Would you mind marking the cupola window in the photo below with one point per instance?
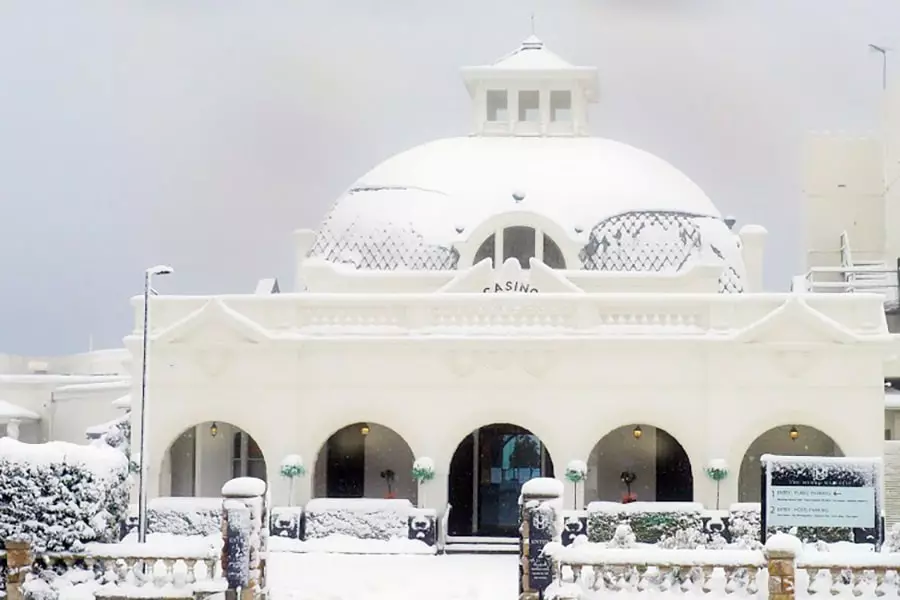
(560, 105)
(521, 243)
(529, 106)
(497, 106)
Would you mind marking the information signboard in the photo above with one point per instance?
(823, 493)
(821, 506)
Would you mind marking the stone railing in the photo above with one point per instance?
(580, 570)
(156, 570)
(129, 571)
(286, 315)
(781, 571)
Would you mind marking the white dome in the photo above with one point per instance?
(409, 211)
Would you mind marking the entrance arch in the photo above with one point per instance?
(487, 471)
(203, 457)
(804, 441)
(365, 460)
(643, 460)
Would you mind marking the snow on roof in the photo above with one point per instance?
(122, 384)
(891, 399)
(101, 460)
(8, 411)
(123, 402)
(458, 182)
(532, 54)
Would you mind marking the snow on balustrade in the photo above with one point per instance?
(594, 567)
(295, 315)
(164, 566)
(586, 570)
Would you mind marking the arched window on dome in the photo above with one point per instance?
(522, 243)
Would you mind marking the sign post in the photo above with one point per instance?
(822, 493)
(540, 518)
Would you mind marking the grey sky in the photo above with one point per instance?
(202, 133)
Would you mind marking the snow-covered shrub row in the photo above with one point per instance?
(650, 521)
(62, 495)
(185, 516)
(745, 528)
(360, 518)
(115, 433)
(744, 523)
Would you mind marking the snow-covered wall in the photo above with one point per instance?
(715, 371)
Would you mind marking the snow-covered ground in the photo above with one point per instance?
(356, 577)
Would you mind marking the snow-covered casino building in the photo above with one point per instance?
(503, 303)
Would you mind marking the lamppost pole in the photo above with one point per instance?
(883, 51)
(142, 473)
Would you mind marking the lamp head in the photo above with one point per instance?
(160, 270)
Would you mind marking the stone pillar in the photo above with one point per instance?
(781, 553)
(12, 428)
(18, 565)
(252, 494)
(540, 522)
(753, 240)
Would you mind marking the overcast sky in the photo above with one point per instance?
(201, 133)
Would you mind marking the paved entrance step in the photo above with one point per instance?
(481, 545)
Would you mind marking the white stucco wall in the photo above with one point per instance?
(769, 363)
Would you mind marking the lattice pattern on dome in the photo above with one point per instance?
(642, 241)
(730, 282)
(386, 248)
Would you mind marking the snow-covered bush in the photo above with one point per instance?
(185, 516)
(360, 518)
(115, 434)
(650, 521)
(623, 538)
(744, 524)
(684, 539)
(892, 539)
(62, 495)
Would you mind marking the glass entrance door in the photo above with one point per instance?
(508, 456)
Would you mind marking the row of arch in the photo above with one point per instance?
(487, 469)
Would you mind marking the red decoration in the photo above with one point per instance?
(629, 498)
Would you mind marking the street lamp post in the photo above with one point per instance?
(142, 473)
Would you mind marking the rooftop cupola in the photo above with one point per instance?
(531, 92)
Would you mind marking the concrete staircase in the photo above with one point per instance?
(481, 545)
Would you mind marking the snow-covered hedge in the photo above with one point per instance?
(185, 516)
(745, 528)
(361, 518)
(744, 523)
(62, 495)
(650, 521)
(115, 433)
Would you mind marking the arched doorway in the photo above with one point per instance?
(487, 471)
(786, 440)
(639, 462)
(365, 460)
(205, 456)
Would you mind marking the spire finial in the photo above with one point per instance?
(532, 24)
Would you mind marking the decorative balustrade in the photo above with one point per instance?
(585, 571)
(581, 570)
(150, 570)
(285, 315)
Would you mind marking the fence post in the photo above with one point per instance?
(251, 493)
(19, 559)
(540, 522)
(781, 567)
